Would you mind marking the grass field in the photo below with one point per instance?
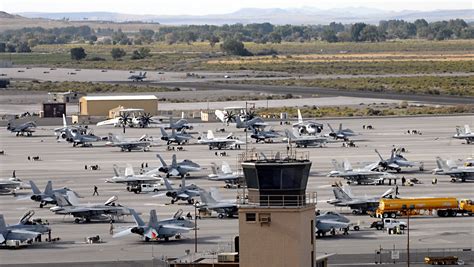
(433, 85)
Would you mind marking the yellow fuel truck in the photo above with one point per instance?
(442, 206)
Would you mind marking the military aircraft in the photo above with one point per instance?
(363, 175)
(256, 122)
(155, 229)
(77, 136)
(449, 167)
(329, 222)
(180, 125)
(212, 201)
(133, 180)
(225, 174)
(138, 77)
(11, 234)
(359, 205)
(304, 141)
(175, 137)
(10, 185)
(27, 128)
(129, 144)
(307, 127)
(396, 162)
(177, 169)
(343, 134)
(46, 197)
(25, 223)
(220, 142)
(259, 134)
(109, 211)
(466, 134)
(64, 132)
(128, 118)
(185, 192)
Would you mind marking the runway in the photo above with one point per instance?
(64, 165)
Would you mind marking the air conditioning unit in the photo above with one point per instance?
(228, 257)
(264, 218)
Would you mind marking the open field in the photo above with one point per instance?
(433, 85)
(64, 165)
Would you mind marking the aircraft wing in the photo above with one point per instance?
(183, 195)
(108, 122)
(176, 227)
(333, 224)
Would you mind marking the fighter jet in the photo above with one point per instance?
(259, 134)
(10, 185)
(359, 205)
(177, 169)
(256, 122)
(134, 180)
(395, 162)
(180, 125)
(466, 134)
(225, 174)
(27, 128)
(456, 173)
(329, 222)
(11, 234)
(48, 196)
(129, 144)
(363, 175)
(156, 229)
(220, 142)
(304, 141)
(25, 223)
(307, 127)
(138, 77)
(62, 132)
(185, 193)
(175, 137)
(109, 211)
(212, 201)
(77, 137)
(343, 134)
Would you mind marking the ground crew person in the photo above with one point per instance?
(95, 191)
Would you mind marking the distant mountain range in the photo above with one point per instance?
(304, 15)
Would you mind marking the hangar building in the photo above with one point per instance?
(100, 105)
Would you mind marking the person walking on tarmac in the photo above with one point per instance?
(95, 191)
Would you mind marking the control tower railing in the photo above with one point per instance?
(289, 155)
(279, 201)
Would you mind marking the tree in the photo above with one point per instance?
(3, 47)
(141, 53)
(369, 33)
(117, 53)
(234, 47)
(356, 29)
(78, 53)
(11, 48)
(213, 40)
(23, 48)
(329, 35)
(274, 37)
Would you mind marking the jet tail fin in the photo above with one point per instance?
(48, 190)
(340, 194)
(3, 225)
(137, 218)
(167, 184)
(174, 162)
(61, 200)
(214, 168)
(64, 120)
(163, 132)
(347, 165)
(129, 170)
(72, 198)
(116, 171)
(300, 118)
(153, 218)
(330, 127)
(163, 163)
(34, 188)
(210, 134)
(340, 127)
(467, 129)
(206, 197)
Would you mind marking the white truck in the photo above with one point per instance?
(389, 223)
(146, 188)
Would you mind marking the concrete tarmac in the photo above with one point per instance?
(64, 165)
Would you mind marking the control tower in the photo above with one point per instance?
(276, 222)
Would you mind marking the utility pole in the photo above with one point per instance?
(195, 228)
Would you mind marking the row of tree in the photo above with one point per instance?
(22, 40)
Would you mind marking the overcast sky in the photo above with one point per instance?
(203, 7)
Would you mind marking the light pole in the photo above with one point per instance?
(410, 208)
(195, 228)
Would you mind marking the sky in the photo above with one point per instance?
(204, 7)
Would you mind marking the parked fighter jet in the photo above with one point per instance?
(156, 229)
(133, 180)
(256, 122)
(225, 174)
(175, 137)
(10, 185)
(86, 212)
(46, 197)
(259, 134)
(359, 205)
(180, 125)
(220, 142)
(341, 133)
(450, 168)
(27, 128)
(465, 134)
(330, 221)
(129, 144)
(63, 132)
(177, 169)
(364, 175)
(307, 127)
(185, 193)
(304, 141)
(211, 201)
(395, 162)
(35, 225)
(138, 77)
(8, 235)
(77, 136)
